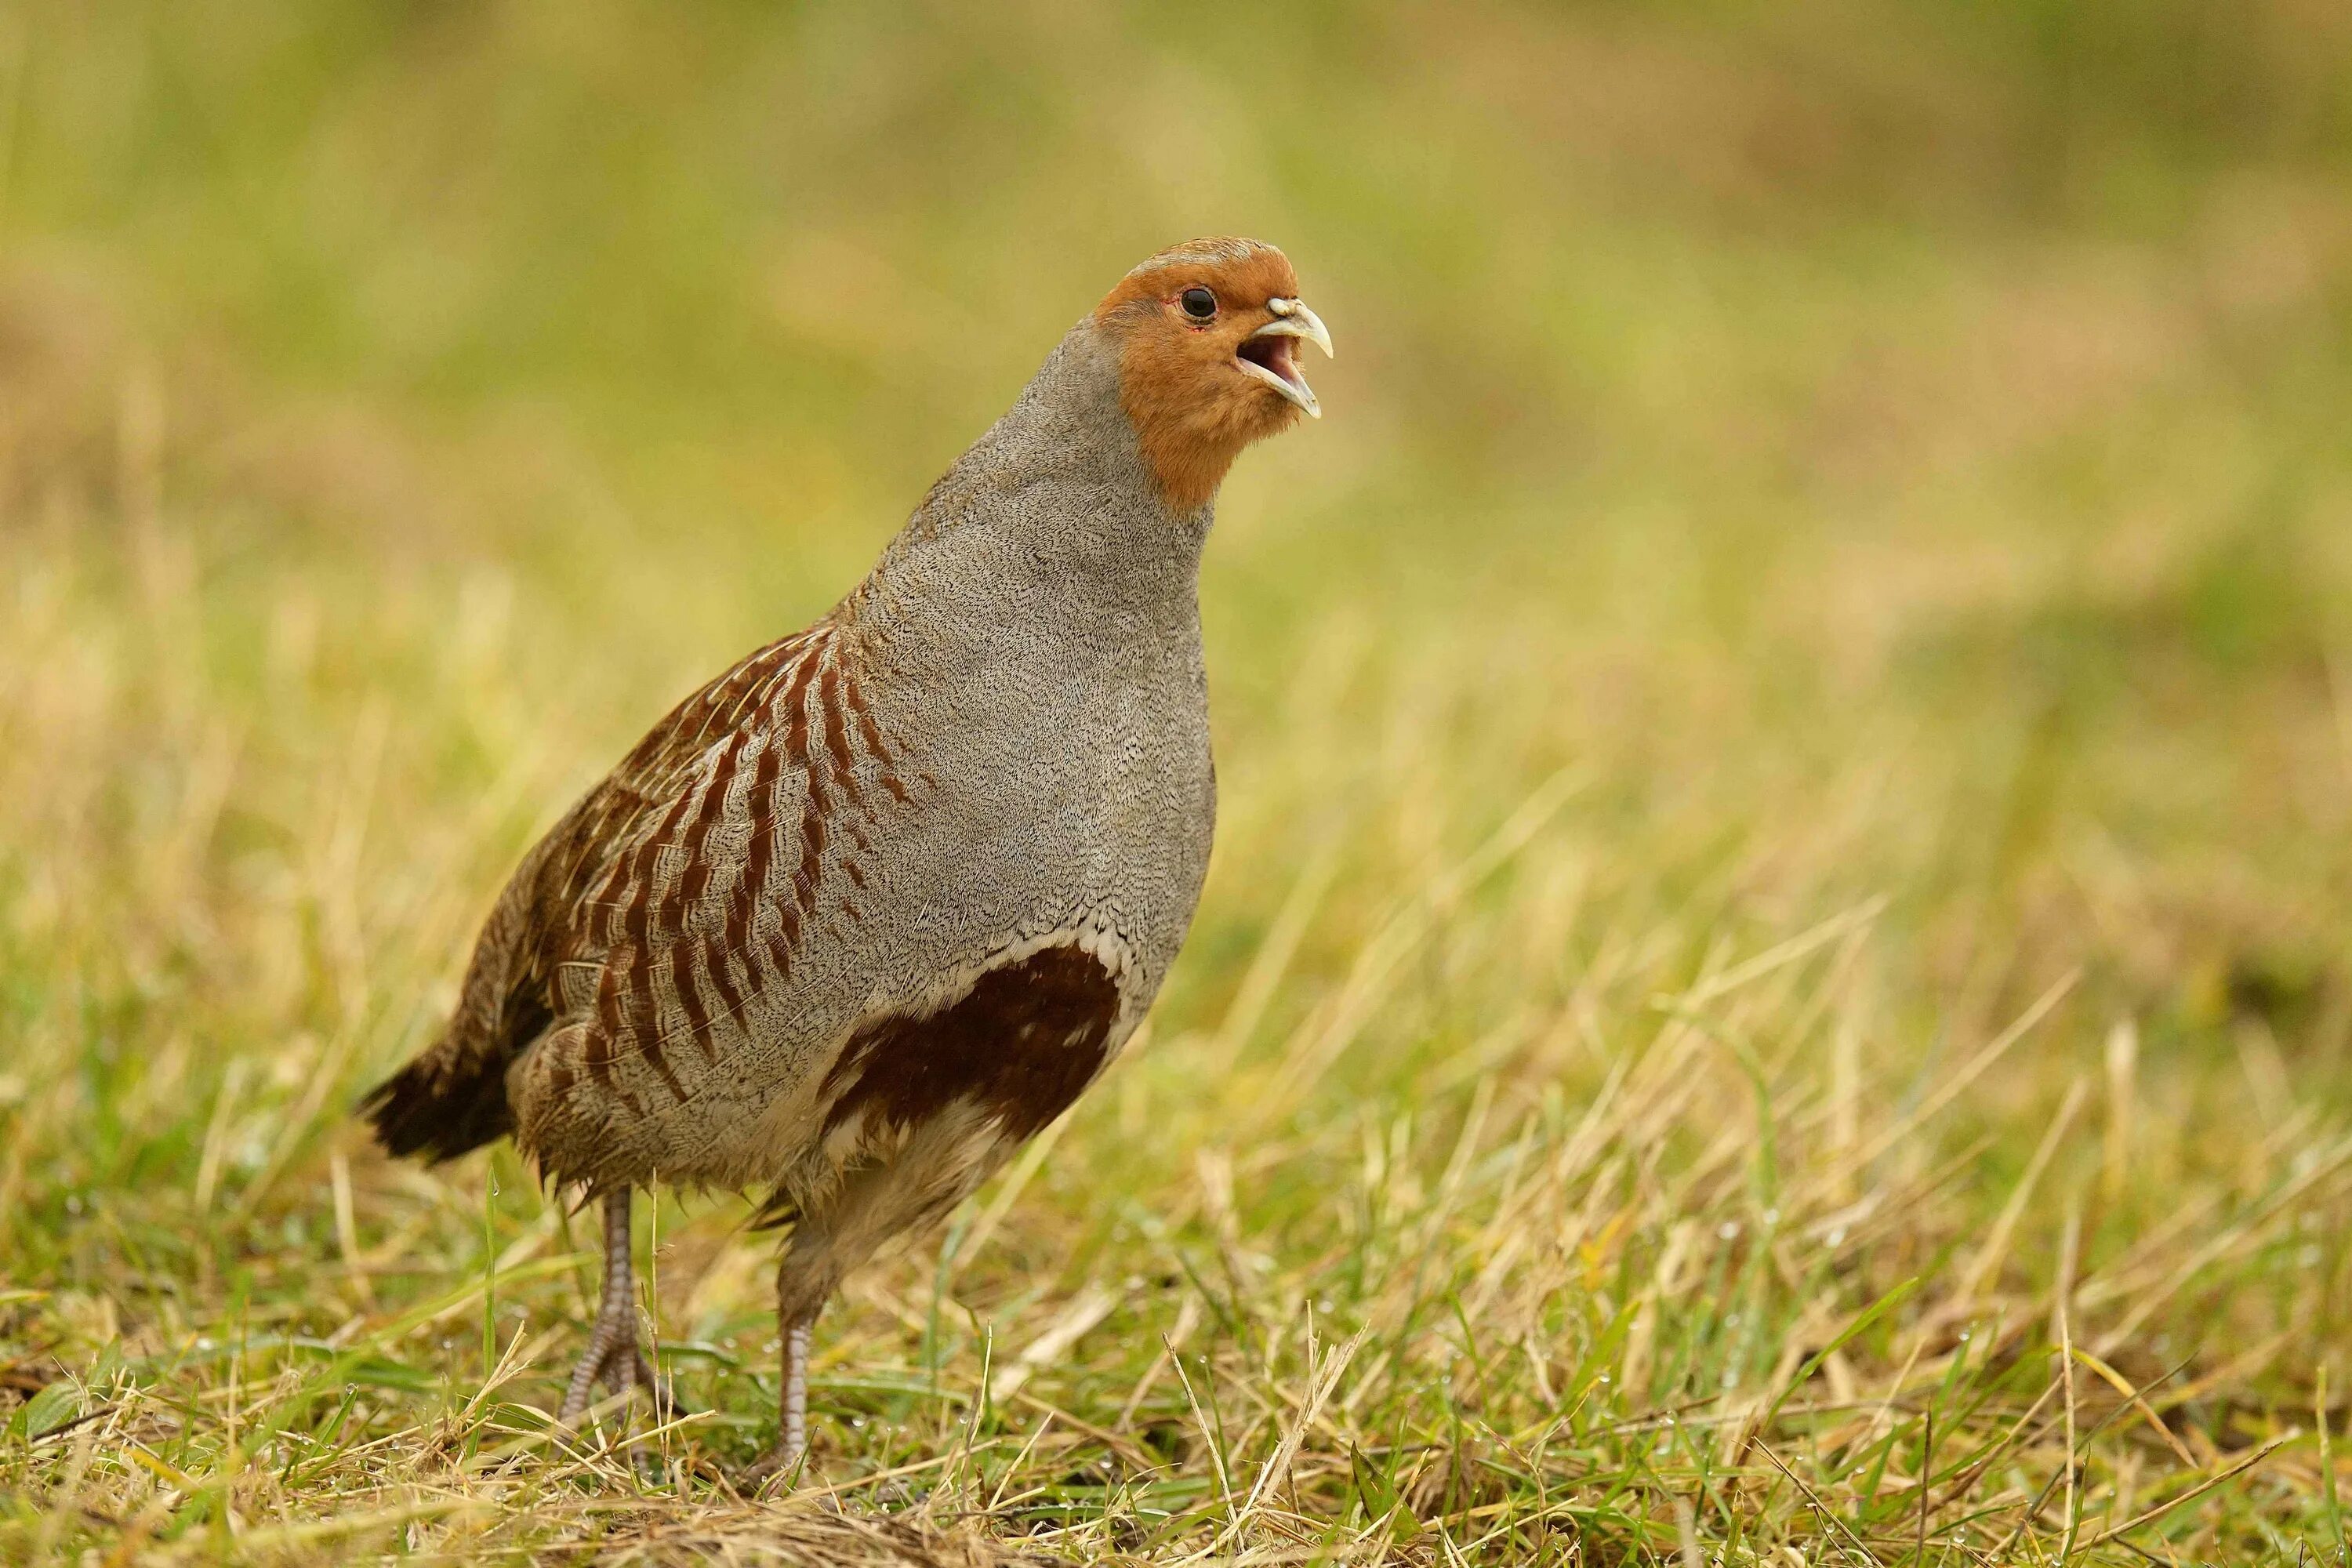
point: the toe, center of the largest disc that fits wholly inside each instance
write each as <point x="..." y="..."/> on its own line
<point x="777" y="1461"/>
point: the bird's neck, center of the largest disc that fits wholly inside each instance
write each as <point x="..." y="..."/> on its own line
<point x="1051" y="519"/>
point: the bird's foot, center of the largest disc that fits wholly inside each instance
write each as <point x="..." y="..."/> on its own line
<point x="780" y="1460"/>
<point x="621" y="1367"/>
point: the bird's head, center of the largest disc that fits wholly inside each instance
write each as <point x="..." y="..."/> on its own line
<point x="1208" y="335"/>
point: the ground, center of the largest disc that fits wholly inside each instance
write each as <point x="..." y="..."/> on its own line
<point x="1774" y="987"/>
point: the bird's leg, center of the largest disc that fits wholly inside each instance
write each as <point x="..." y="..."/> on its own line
<point x="611" y="1355"/>
<point x="791" y="1430"/>
<point x="805" y="1278"/>
<point x="791" y="1424"/>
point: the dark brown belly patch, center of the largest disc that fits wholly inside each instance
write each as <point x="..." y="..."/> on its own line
<point x="1020" y="1044"/>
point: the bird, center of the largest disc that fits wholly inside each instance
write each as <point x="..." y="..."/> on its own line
<point x="866" y="911"/>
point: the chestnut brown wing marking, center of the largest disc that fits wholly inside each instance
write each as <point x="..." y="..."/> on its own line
<point x="651" y="822"/>
<point x="1022" y="1044"/>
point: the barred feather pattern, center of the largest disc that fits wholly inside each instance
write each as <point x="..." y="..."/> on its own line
<point x="702" y="864"/>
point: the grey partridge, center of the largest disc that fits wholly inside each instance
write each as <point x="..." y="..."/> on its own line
<point x="877" y="904"/>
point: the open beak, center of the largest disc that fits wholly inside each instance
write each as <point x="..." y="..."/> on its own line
<point x="1270" y="354"/>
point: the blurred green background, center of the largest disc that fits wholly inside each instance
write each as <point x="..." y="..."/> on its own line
<point x="1896" y="450"/>
<point x="1960" y="386"/>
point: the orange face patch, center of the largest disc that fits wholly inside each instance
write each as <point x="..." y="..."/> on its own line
<point x="1192" y="405"/>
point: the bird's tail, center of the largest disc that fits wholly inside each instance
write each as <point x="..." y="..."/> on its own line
<point x="442" y="1104"/>
<point x="453" y="1096"/>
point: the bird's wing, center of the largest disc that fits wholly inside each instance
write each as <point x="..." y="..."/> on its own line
<point x="689" y="877"/>
<point x="632" y="931"/>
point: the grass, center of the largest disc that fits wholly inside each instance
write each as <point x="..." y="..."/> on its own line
<point x="1774" y="985"/>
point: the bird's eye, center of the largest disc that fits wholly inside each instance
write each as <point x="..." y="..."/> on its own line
<point x="1199" y="303"/>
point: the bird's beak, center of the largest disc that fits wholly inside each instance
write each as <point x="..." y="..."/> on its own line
<point x="1269" y="353"/>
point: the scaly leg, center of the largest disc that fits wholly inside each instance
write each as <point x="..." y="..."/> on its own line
<point x="612" y="1356"/>
<point x="791" y="1430"/>
<point x="792" y="1427"/>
